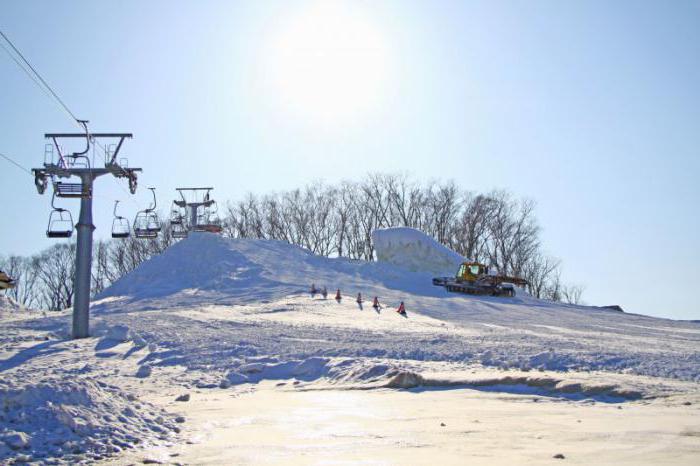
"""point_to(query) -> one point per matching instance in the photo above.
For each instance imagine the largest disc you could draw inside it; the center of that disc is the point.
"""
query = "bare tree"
(25, 272)
(513, 233)
(470, 233)
(572, 294)
(56, 274)
(493, 228)
(539, 272)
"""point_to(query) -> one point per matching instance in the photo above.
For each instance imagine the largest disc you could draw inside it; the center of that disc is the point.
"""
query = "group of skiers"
(375, 302)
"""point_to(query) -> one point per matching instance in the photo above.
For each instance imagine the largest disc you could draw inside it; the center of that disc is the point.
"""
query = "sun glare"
(328, 63)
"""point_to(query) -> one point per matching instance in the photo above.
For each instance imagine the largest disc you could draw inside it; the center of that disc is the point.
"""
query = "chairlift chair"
(176, 215)
(213, 220)
(178, 231)
(209, 221)
(146, 223)
(60, 222)
(120, 225)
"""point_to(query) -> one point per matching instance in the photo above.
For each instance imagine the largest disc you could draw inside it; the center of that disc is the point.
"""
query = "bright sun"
(328, 63)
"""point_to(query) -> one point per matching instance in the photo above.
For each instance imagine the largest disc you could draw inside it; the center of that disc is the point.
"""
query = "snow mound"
(413, 250)
(75, 421)
(208, 268)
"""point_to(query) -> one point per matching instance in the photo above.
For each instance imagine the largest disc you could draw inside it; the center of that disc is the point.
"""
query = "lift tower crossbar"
(80, 165)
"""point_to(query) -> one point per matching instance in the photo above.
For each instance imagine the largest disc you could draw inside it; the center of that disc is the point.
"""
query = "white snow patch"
(413, 250)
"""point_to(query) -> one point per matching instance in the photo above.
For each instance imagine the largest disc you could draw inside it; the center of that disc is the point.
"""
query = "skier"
(359, 298)
(313, 290)
(375, 303)
(324, 292)
(337, 295)
(402, 309)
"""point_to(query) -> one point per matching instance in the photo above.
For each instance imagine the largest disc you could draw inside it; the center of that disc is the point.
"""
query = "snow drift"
(75, 421)
(413, 250)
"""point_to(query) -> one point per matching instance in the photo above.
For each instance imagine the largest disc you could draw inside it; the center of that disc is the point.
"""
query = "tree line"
(495, 228)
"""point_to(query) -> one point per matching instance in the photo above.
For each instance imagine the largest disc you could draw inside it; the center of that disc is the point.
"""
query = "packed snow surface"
(413, 250)
(214, 313)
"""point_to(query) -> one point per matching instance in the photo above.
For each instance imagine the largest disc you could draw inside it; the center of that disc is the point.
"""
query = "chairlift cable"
(26, 71)
(44, 88)
(65, 107)
(15, 163)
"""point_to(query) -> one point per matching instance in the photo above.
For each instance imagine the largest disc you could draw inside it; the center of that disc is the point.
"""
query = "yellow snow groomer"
(474, 278)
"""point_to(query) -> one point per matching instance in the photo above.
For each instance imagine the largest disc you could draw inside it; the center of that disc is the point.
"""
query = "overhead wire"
(23, 68)
(53, 94)
(9, 159)
(65, 107)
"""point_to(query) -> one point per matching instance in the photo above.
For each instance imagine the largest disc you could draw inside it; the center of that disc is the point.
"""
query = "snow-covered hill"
(213, 313)
(207, 269)
(271, 278)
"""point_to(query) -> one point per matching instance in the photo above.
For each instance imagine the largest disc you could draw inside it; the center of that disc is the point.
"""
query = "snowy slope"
(214, 313)
(413, 250)
(207, 270)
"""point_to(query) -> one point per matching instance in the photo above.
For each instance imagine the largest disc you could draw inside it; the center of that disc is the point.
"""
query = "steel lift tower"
(81, 166)
(200, 210)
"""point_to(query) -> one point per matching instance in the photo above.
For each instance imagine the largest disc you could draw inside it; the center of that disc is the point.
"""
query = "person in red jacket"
(402, 309)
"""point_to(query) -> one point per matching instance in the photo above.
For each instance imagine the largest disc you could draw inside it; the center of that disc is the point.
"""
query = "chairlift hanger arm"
(87, 139)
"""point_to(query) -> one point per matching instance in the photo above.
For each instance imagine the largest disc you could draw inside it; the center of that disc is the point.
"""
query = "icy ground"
(218, 314)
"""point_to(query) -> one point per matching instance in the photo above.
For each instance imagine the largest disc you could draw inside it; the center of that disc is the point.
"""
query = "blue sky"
(590, 108)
